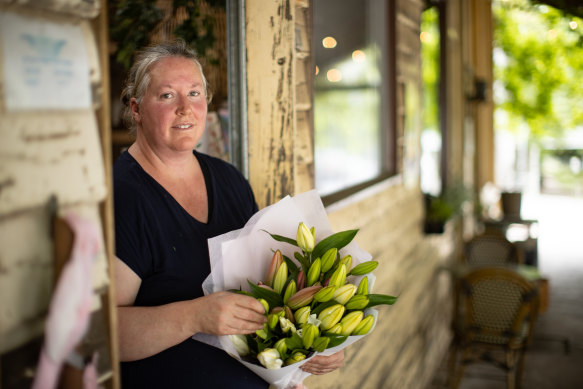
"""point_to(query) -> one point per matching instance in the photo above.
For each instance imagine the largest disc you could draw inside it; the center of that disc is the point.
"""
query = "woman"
(169, 200)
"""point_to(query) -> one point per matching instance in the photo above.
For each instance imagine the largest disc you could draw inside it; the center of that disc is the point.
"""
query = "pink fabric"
(90, 374)
(70, 306)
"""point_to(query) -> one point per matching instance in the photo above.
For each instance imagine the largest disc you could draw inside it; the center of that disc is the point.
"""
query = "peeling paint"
(288, 15)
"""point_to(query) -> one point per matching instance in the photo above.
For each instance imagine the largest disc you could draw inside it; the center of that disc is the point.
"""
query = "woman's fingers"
(229, 313)
(324, 364)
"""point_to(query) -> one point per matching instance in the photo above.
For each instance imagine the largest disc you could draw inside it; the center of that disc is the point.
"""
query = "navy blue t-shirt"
(167, 248)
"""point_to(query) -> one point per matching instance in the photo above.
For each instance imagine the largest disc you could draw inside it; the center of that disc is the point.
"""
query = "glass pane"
(349, 39)
(431, 134)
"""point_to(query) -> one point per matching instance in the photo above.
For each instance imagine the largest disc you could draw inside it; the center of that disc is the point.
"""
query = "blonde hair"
(139, 77)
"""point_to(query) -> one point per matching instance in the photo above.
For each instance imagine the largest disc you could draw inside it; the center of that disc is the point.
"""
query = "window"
(351, 85)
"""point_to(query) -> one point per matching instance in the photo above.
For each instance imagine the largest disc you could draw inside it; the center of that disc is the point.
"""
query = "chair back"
(500, 307)
(491, 249)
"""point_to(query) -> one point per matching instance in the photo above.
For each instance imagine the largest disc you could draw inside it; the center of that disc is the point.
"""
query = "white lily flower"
(240, 343)
(270, 358)
(313, 319)
(286, 325)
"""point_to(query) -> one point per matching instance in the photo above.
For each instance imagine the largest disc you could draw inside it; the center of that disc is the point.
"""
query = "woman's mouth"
(183, 126)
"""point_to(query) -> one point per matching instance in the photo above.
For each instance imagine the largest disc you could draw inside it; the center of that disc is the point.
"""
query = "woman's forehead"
(175, 68)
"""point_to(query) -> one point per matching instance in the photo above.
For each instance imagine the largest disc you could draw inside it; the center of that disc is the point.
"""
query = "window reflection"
(348, 86)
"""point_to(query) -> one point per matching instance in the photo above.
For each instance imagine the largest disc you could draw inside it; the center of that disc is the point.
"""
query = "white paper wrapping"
(245, 254)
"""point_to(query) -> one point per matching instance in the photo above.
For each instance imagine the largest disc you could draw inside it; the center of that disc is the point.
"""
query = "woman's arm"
(145, 331)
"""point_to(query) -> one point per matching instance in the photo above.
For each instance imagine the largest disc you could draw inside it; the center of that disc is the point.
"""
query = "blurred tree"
(538, 65)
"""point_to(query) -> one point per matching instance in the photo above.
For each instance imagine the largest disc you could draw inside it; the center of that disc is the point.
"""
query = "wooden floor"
(555, 358)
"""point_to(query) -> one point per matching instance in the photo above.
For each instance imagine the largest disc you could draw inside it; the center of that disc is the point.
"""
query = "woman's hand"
(321, 364)
(226, 313)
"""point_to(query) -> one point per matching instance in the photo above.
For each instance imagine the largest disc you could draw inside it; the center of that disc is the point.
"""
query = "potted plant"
(439, 209)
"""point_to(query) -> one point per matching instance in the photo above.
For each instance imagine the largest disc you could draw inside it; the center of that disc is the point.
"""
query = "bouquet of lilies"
(316, 289)
(311, 305)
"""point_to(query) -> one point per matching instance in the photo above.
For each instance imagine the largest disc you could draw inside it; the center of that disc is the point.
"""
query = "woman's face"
(172, 113)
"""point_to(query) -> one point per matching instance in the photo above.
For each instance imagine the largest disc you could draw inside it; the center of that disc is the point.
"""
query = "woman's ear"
(135, 108)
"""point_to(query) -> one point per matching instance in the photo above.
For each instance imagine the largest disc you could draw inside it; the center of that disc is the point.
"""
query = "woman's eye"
(166, 95)
(194, 93)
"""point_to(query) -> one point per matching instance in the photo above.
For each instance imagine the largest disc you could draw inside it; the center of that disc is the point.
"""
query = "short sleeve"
(131, 229)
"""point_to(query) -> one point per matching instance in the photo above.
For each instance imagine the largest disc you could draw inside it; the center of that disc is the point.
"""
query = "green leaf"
(338, 240)
(291, 265)
(280, 238)
(273, 298)
(294, 342)
(303, 261)
(380, 299)
(335, 340)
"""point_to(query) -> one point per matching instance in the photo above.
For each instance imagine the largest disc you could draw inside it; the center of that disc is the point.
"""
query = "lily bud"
(303, 297)
(240, 343)
(350, 321)
(272, 320)
(270, 358)
(363, 286)
(276, 260)
(320, 343)
(347, 261)
(330, 316)
(305, 239)
(364, 326)
(265, 304)
(286, 325)
(364, 268)
(325, 294)
(338, 278)
(314, 272)
(357, 301)
(309, 333)
(280, 277)
(301, 280)
(279, 311)
(328, 259)
(281, 346)
(296, 356)
(262, 333)
(288, 314)
(336, 329)
(301, 315)
(344, 293)
(289, 291)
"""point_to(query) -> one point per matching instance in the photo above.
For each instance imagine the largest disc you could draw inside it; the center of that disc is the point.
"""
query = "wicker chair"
(499, 312)
(491, 249)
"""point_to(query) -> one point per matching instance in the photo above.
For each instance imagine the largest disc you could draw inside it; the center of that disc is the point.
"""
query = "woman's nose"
(183, 106)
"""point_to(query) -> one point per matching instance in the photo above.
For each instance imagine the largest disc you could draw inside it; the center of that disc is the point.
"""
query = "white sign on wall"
(45, 64)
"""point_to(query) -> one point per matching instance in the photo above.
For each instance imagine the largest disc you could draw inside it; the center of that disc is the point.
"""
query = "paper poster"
(45, 64)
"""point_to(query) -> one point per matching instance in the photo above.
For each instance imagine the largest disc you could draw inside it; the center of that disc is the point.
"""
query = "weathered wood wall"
(52, 157)
(412, 336)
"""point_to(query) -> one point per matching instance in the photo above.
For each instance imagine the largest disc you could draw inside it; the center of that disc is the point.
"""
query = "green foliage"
(538, 63)
(430, 39)
(447, 204)
(132, 22)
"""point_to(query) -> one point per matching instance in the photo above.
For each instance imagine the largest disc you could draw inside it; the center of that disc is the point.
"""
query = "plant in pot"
(439, 209)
